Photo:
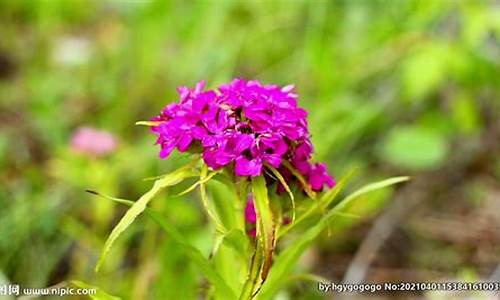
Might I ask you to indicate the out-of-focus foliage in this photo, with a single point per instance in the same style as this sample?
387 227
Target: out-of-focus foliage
392 88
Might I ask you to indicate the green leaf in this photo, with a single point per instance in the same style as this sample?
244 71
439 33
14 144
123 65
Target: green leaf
195 256
265 222
231 258
200 182
204 199
285 185
264 246
237 240
99 295
226 202
247 291
371 187
139 206
414 148
331 194
234 239
302 180
148 123
285 262
322 203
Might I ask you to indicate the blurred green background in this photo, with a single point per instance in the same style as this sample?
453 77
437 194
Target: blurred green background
392 87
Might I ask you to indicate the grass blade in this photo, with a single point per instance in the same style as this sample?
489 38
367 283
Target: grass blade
325 200
285 185
195 256
138 207
371 187
285 262
265 222
302 180
198 183
204 199
148 123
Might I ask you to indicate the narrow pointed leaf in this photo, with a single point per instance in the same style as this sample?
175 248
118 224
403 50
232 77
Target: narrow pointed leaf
204 200
195 256
197 183
139 206
330 195
296 173
287 188
237 240
148 123
253 273
323 202
265 222
372 187
284 263
227 203
203 264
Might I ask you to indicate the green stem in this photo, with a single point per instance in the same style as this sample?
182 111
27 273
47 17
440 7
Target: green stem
241 191
253 274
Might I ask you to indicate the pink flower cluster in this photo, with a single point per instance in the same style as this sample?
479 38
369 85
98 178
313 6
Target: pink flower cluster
244 124
92 142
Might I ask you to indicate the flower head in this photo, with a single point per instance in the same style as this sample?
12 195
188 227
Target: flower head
243 124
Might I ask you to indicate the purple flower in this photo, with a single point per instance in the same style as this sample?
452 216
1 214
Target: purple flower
318 176
244 125
248 167
250 215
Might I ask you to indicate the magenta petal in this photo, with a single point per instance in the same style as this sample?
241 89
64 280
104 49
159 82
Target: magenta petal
199 86
184 142
244 141
222 120
223 158
302 166
330 182
198 132
288 88
209 140
245 167
319 176
316 182
183 92
273 159
199 103
166 149
209 158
